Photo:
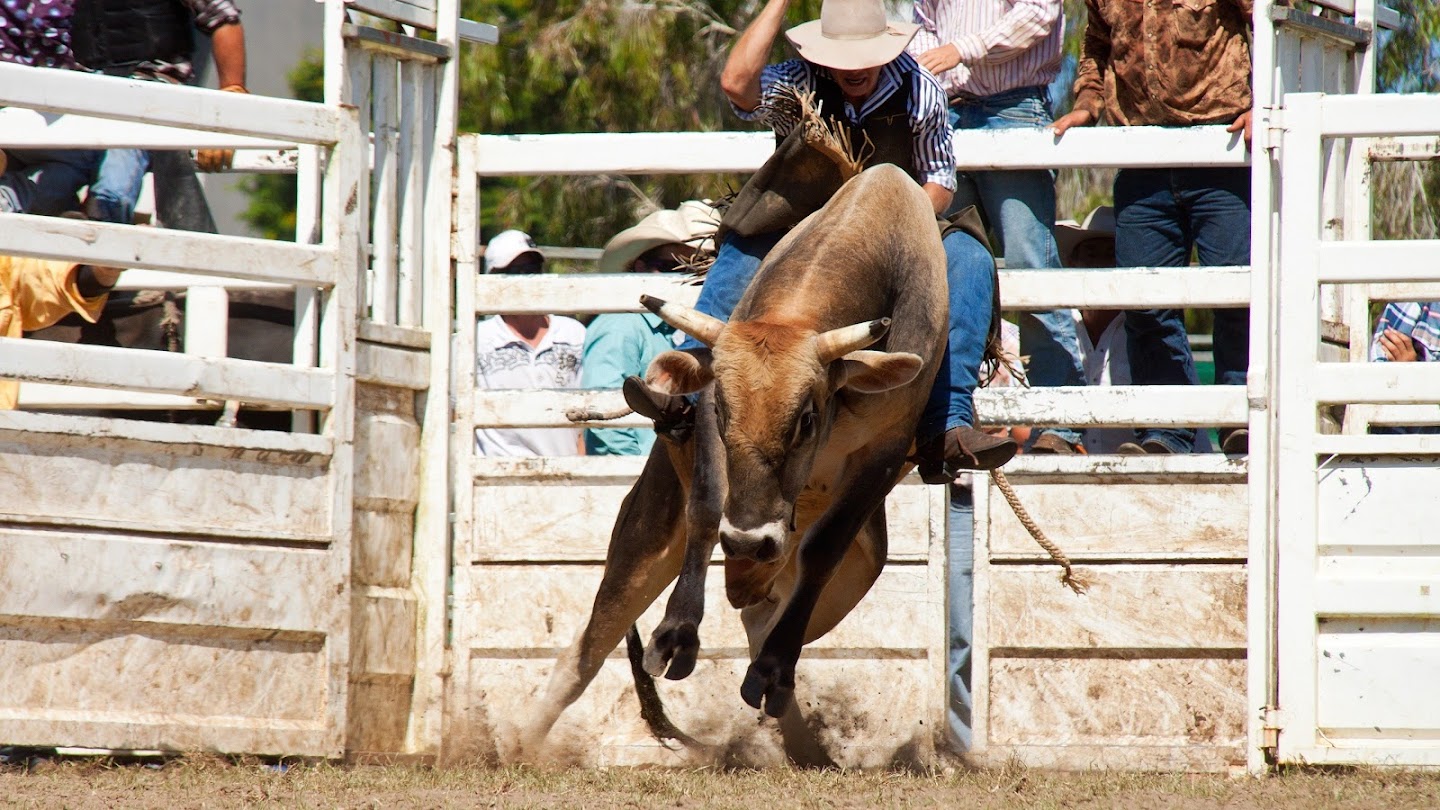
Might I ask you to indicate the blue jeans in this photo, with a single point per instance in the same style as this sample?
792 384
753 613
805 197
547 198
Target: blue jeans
961 603
1160 214
1020 206
45 181
970 276
117 184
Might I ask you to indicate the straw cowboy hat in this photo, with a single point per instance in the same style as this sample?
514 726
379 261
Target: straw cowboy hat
692 223
1098 224
851 35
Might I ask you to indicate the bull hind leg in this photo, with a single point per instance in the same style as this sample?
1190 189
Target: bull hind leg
644 556
675 644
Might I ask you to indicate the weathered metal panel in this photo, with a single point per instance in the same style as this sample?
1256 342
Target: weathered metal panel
1155 606
1167 518
1373 678
86 480
1174 702
570 518
158 642
868 686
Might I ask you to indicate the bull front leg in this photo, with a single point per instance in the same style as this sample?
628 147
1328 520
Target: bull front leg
675 644
770 680
643 558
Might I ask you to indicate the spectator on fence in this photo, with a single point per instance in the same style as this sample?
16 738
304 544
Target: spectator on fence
1101 332
995 60
622 344
36 293
41 181
525 351
854 63
1407 332
1174 64
154 39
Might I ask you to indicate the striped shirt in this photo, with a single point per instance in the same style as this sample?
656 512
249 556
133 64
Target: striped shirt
934 153
1418 319
1003 44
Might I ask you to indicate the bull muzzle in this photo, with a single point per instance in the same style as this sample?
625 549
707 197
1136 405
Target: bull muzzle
762 544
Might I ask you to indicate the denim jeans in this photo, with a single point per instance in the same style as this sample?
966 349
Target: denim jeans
1020 206
969 271
117 184
961 605
45 181
1160 214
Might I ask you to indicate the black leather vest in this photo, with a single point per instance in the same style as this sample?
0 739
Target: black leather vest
887 128
797 180
116 35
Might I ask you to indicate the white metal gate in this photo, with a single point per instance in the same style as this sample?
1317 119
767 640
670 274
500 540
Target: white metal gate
1358 560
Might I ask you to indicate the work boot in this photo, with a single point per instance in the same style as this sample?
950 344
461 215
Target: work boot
1050 444
1235 442
674 416
944 457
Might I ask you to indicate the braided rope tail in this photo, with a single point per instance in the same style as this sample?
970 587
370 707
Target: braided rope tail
1068 577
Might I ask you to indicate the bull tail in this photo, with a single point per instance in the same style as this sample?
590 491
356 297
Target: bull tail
652 708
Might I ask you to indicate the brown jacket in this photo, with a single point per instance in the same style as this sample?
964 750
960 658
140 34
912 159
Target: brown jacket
1165 62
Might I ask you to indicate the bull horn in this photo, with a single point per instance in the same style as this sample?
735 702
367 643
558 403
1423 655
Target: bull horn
692 322
837 343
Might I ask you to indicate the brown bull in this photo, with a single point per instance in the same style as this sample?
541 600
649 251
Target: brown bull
807 435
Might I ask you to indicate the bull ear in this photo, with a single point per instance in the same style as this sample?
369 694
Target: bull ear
874 372
677 372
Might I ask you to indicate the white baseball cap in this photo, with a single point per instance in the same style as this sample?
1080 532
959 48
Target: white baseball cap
506 247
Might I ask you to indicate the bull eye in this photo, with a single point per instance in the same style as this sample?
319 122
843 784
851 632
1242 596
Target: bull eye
805 427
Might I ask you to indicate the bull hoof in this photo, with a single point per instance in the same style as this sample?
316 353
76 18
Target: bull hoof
672 650
768 685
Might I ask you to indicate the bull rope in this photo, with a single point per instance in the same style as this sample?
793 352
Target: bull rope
1068 578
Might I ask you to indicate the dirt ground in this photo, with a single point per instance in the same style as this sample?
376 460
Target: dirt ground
212 783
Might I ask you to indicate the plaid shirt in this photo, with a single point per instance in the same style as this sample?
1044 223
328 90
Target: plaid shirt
1165 62
1418 319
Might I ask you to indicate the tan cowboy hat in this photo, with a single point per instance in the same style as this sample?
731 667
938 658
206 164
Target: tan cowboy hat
851 35
1098 224
691 223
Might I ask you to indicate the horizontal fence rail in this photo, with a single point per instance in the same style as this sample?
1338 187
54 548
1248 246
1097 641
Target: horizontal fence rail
707 152
166 373
68 91
1133 406
22 128
108 244
1133 288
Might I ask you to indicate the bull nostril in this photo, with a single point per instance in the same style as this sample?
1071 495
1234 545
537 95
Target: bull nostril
767 551
727 547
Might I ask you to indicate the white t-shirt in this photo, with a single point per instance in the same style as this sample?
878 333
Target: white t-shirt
504 360
1107 362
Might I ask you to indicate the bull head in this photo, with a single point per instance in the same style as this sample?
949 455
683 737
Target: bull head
775 398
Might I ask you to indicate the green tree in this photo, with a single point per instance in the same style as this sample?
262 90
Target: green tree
600 66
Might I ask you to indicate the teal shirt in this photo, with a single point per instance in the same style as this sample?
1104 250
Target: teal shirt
618 345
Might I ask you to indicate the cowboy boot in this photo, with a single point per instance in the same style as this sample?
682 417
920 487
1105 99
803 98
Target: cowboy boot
941 459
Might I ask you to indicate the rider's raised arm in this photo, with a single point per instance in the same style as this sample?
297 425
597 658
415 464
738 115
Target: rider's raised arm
741 78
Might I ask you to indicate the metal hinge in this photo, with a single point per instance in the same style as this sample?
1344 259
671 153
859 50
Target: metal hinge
1272 719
